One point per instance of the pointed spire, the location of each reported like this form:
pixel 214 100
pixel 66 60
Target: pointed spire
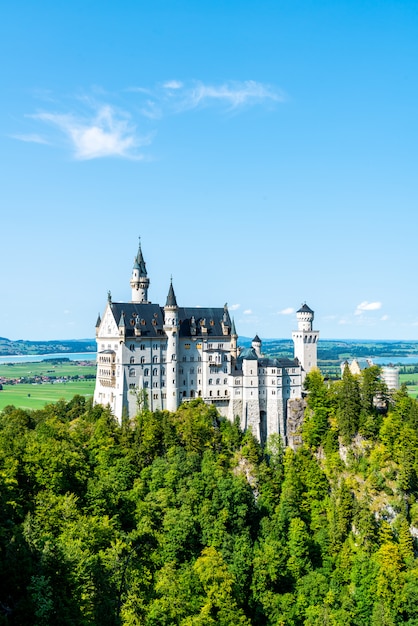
pixel 233 329
pixel 122 320
pixel 99 321
pixel 109 297
pixel 139 263
pixel 171 297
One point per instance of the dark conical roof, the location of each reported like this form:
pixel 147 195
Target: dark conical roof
pixel 256 339
pixel 304 309
pixel 233 329
pixel 99 321
pixel 171 297
pixel 139 263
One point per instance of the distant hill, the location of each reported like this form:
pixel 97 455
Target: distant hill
pixel 24 347
pixel 329 350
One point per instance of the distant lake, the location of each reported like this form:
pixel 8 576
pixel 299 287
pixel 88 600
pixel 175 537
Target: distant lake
pixel 36 358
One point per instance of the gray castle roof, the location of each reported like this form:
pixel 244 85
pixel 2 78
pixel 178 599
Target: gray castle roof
pixel 149 318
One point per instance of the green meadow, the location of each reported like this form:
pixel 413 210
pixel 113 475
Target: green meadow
pixel 47 368
pixel 36 396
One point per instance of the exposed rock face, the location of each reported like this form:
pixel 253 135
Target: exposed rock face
pixel 295 414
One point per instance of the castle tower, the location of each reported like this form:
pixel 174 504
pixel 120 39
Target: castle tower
pixel 256 344
pixel 234 339
pixel 139 280
pixel 171 329
pixel 305 340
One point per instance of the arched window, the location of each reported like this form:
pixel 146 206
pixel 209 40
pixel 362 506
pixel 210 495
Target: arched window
pixel 146 371
pixel 155 371
pixel 132 359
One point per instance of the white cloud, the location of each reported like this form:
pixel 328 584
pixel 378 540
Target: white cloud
pixel 367 306
pixel 234 307
pixel 287 311
pixel 384 318
pixel 247 312
pixel 102 130
pixel 104 134
pixel 173 84
pixel 235 94
pixel 30 138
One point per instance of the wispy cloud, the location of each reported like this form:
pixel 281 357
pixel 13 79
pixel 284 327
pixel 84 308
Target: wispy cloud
pixel 173 84
pixel 287 311
pixel 247 312
pixel 30 138
pixel 105 133
pixel 234 307
pixel 367 306
pixel 233 94
pixel 100 129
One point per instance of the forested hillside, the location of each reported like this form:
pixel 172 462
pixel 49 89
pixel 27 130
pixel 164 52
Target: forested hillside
pixel 180 518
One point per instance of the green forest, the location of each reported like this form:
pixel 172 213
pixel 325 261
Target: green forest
pixel 181 518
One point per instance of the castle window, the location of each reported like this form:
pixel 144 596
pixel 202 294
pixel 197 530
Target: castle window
pixel 218 381
pixel 142 346
pixel 155 371
pixel 131 385
pixel 225 381
pixel 210 346
pixel 225 357
pixel 192 370
pixel 180 370
pixel 199 346
pixel 155 346
pixel 155 385
pixel 146 371
pixel 155 359
pixel 187 346
pixel 132 371
pixel 146 383
pixel 199 370
pixel 192 382
pixel 132 359
pixel 210 393
pixel 192 358
pixel 163 395
pixel 185 358
pixel 155 396
pixel 132 347
pixel 219 393
pixel 210 381
pixel 142 359
pixel 273 371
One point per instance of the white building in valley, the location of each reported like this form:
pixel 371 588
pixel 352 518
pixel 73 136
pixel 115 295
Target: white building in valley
pixel 177 353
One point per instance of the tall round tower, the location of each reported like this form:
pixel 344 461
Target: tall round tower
pixel 139 280
pixel 171 329
pixel 305 339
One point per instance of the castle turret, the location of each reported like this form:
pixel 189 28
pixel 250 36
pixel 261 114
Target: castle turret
pixel 256 344
pixel 305 340
pixel 171 329
pixel 234 339
pixel 139 280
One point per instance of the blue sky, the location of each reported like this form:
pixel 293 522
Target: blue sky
pixel 265 152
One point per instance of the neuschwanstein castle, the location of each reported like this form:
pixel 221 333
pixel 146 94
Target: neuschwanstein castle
pixel 177 353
